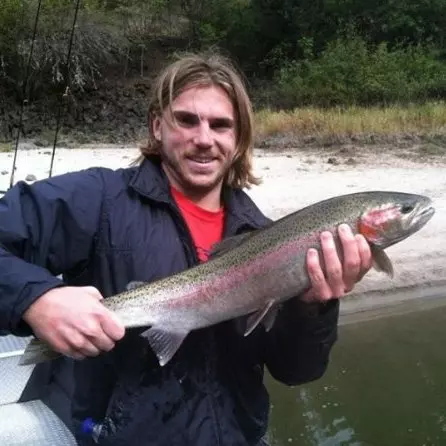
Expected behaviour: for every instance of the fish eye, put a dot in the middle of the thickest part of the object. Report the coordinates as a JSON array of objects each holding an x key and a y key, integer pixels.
[{"x": 407, "y": 208}]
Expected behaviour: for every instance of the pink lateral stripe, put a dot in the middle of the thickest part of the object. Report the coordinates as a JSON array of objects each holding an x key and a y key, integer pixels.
[{"x": 236, "y": 275}]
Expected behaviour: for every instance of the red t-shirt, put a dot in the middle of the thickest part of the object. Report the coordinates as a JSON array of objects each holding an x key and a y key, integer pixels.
[{"x": 206, "y": 227}]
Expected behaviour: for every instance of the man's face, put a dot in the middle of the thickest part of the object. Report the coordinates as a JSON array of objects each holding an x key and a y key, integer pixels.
[{"x": 198, "y": 151}]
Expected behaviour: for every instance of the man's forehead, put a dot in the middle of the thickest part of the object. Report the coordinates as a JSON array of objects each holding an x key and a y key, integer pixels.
[{"x": 212, "y": 101}]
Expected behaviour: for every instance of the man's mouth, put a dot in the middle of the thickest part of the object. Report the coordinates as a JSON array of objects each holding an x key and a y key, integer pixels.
[{"x": 201, "y": 160}]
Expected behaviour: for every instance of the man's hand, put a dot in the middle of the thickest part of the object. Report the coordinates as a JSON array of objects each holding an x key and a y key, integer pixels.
[
  {"x": 74, "y": 322},
  {"x": 339, "y": 278}
]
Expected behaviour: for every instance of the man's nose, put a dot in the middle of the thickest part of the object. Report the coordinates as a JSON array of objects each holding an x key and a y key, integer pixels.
[{"x": 203, "y": 137}]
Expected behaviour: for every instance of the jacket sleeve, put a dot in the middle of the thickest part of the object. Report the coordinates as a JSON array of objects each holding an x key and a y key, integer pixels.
[
  {"x": 46, "y": 229},
  {"x": 299, "y": 344}
]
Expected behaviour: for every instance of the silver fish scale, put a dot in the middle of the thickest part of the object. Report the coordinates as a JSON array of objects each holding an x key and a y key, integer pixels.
[
  {"x": 32, "y": 424},
  {"x": 165, "y": 289},
  {"x": 326, "y": 215}
]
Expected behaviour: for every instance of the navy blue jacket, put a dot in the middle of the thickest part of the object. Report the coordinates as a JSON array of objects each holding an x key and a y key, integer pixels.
[{"x": 106, "y": 228}]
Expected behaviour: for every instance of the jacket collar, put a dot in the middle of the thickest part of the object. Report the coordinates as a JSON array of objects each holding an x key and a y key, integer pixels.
[{"x": 151, "y": 182}]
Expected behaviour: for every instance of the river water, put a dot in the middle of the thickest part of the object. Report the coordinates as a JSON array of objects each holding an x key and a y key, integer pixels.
[{"x": 385, "y": 386}]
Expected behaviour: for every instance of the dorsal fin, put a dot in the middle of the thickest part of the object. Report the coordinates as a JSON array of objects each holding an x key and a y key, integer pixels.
[
  {"x": 134, "y": 284},
  {"x": 229, "y": 243}
]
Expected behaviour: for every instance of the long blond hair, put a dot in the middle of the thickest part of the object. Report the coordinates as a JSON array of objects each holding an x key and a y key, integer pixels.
[{"x": 202, "y": 70}]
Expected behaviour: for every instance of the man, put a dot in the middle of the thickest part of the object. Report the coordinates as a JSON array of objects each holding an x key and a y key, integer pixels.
[{"x": 101, "y": 229}]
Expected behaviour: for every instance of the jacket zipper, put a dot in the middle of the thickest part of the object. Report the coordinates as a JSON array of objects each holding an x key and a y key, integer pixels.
[{"x": 192, "y": 259}]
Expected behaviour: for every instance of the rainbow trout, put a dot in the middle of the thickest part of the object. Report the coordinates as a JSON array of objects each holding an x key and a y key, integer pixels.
[{"x": 253, "y": 273}]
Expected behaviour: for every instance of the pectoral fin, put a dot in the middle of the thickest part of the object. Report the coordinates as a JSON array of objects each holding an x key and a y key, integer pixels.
[
  {"x": 164, "y": 343},
  {"x": 381, "y": 261},
  {"x": 38, "y": 351},
  {"x": 266, "y": 314}
]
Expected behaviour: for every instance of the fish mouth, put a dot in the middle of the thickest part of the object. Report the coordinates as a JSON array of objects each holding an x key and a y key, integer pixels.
[{"x": 421, "y": 217}]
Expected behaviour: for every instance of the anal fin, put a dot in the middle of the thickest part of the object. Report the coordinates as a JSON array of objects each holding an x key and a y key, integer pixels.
[
  {"x": 266, "y": 314},
  {"x": 164, "y": 343},
  {"x": 270, "y": 318}
]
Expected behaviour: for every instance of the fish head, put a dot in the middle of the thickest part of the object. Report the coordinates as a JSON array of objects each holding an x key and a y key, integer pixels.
[{"x": 394, "y": 217}]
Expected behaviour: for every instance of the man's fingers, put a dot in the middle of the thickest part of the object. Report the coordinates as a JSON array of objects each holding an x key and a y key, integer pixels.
[
  {"x": 333, "y": 265},
  {"x": 78, "y": 345},
  {"x": 365, "y": 254},
  {"x": 103, "y": 342},
  {"x": 87, "y": 337},
  {"x": 92, "y": 329},
  {"x": 352, "y": 260},
  {"x": 94, "y": 292},
  {"x": 111, "y": 325},
  {"x": 320, "y": 288},
  {"x": 74, "y": 321},
  {"x": 111, "y": 328}
]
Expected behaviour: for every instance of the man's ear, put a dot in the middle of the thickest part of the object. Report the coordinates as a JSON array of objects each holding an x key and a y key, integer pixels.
[{"x": 156, "y": 128}]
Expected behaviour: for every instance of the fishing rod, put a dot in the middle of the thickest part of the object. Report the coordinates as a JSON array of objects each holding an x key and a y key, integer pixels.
[
  {"x": 24, "y": 94},
  {"x": 66, "y": 93},
  {"x": 62, "y": 98}
]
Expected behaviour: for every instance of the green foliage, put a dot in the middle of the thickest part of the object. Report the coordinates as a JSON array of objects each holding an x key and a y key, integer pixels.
[
  {"x": 96, "y": 45},
  {"x": 395, "y": 21},
  {"x": 351, "y": 72},
  {"x": 265, "y": 34},
  {"x": 311, "y": 51},
  {"x": 13, "y": 26}
]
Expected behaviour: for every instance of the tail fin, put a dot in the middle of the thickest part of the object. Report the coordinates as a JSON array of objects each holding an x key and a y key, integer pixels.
[{"x": 38, "y": 351}]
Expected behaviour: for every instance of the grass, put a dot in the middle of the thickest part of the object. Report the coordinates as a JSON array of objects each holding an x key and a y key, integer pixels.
[
  {"x": 429, "y": 149},
  {"x": 338, "y": 123},
  {"x": 5, "y": 147}
]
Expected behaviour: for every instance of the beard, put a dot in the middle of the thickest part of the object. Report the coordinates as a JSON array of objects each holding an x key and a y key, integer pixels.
[{"x": 190, "y": 176}]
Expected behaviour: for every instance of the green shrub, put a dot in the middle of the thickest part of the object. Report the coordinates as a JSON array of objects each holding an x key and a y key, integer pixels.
[{"x": 351, "y": 72}]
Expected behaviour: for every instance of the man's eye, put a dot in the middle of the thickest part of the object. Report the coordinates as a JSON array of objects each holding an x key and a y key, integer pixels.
[
  {"x": 221, "y": 125},
  {"x": 187, "y": 121}
]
